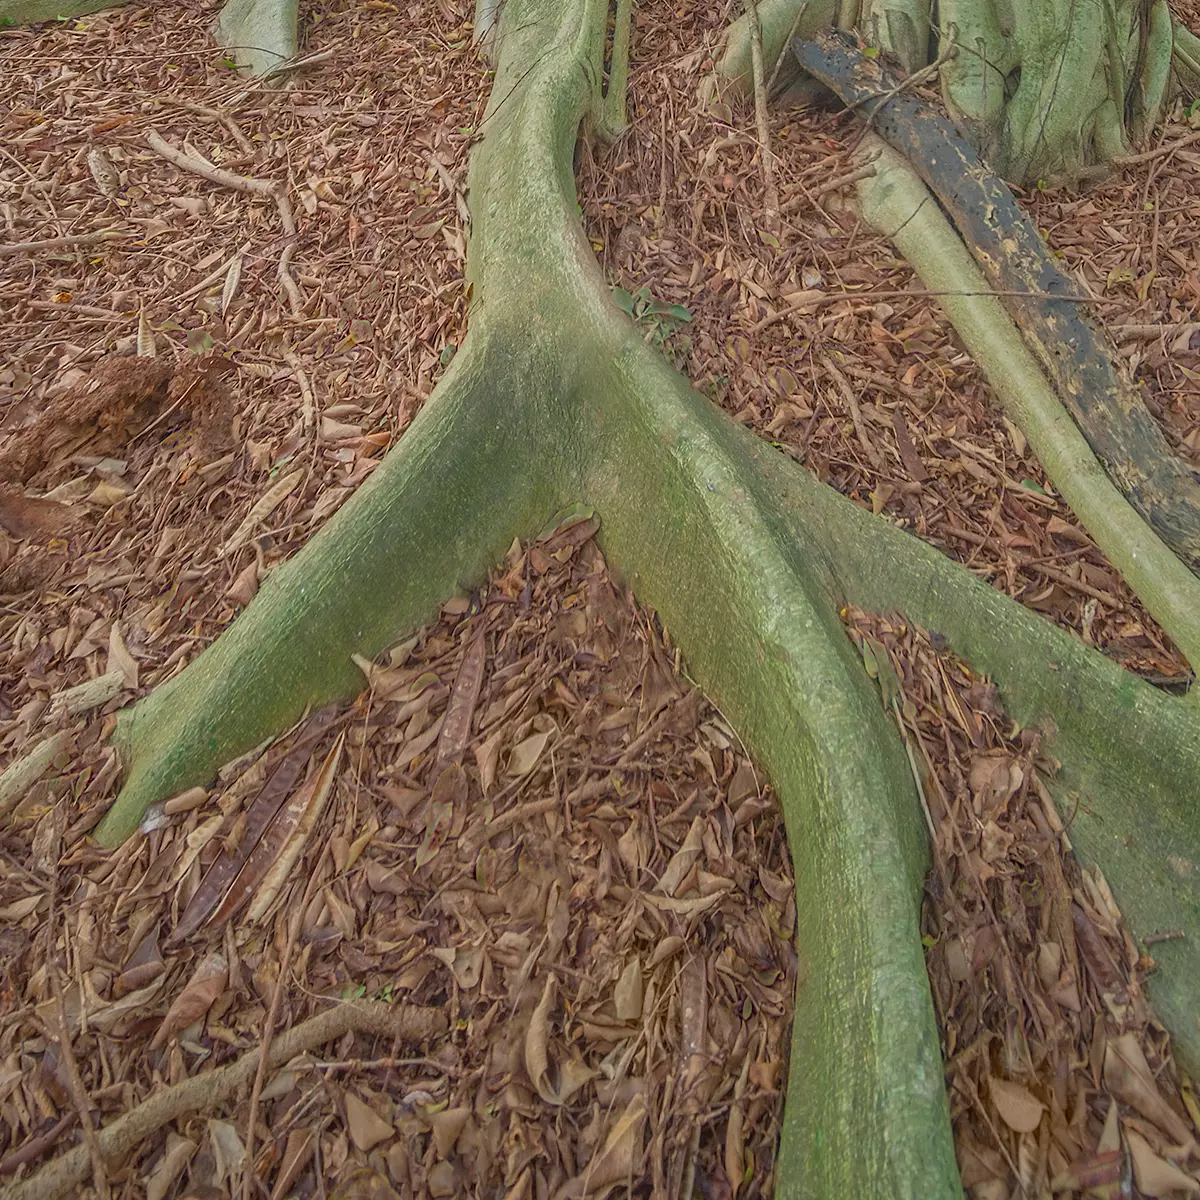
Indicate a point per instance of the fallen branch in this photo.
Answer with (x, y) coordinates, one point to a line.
(761, 119)
(265, 188)
(820, 300)
(57, 243)
(124, 1135)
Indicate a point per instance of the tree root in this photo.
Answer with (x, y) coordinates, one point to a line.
(1016, 262)
(555, 398)
(896, 203)
(260, 34)
(1041, 91)
(443, 507)
(124, 1136)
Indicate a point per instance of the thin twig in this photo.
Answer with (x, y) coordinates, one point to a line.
(57, 243)
(761, 119)
(787, 45)
(79, 1096)
(268, 1033)
(211, 1088)
(265, 188)
(308, 404)
(919, 293)
(1133, 160)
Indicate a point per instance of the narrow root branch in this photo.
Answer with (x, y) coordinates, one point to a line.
(406, 1024)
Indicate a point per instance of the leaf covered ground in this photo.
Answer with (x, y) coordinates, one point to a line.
(528, 821)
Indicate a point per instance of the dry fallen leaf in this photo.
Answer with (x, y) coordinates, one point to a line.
(170, 1166)
(1155, 1175)
(1017, 1106)
(365, 1126)
(206, 984)
(1129, 1078)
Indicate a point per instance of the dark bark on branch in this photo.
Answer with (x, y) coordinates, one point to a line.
(1043, 302)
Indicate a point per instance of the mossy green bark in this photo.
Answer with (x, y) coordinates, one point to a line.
(554, 399)
(1043, 89)
(260, 35)
(30, 12)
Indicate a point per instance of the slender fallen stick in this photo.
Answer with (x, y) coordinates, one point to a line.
(761, 119)
(265, 188)
(67, 1172)
(819, 301)
(268, 1033)
(57, 243)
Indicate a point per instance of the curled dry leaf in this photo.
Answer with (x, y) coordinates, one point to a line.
(460, 708)
(1155, 1175)
(616, 1160)
(446, 1127)
(1129, 1078)
(290, 831)
(465, 963)
(32, 516)
(735, 1146)
(571, 1076)
(449, 793)
(627, 996)
(525, 755)
(232, 877)
(228, 1152)
(206, 984)
(682, 860)
(365, 1126)
(167, 1170)
(262, 509)
(297, 1154)
(1018, 1107)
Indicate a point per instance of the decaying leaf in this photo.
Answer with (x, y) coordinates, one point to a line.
(449, 793)
(617, 1159)
(297, 1154)
(262, 509)
(682, 860)
(34, 516)
(1129, 1078)
(222, 884)
(1155, 1175)
(1019, 1108)
(464, 694)
(170, 1166)
(228, 1152)
(627, 996)
(366, 1127)
(525, 755)
(284, 842)
(446, 1127)
(555, 1086)
(206, 984)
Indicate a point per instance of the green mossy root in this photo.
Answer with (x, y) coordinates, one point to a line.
(1040, 88)
(467, 477)
(555, 398)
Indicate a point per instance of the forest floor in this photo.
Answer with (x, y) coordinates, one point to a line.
(529, 819)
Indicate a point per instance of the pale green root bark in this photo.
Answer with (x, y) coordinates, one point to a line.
(259, 34)
(435, 515)
(1039, 87)
(554, 398)
(29, 12)
(1130, 754)
(897, 204)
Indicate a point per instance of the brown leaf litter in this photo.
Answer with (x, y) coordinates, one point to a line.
(557, 843)
(534, 824)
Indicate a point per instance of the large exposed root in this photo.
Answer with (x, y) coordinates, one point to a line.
(1042, 91)
(553, 398)
(897, 204)
(1029, 283)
